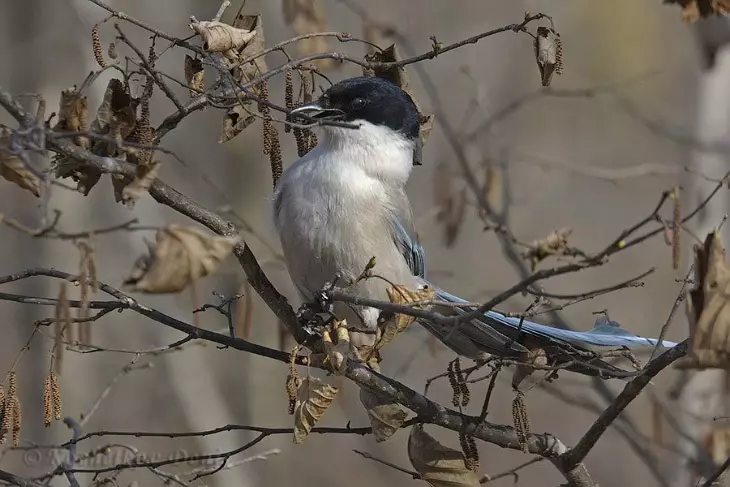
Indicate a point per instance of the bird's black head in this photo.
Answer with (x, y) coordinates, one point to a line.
(367, 98)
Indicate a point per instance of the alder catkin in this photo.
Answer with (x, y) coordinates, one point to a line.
(96, 45)
(47, 402)
(288, 98)
(17, 420)
(56, 395)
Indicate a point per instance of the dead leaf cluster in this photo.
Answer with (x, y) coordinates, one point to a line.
(693, 10)
(314, 397)
(708, 308)
(118, 121)
(180, 255)
(555, 243)
(243, 70)
(548, 53)
(12, 166)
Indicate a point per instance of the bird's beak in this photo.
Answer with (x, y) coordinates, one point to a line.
(318, 110)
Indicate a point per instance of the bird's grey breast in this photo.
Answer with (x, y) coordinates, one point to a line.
(332, 218)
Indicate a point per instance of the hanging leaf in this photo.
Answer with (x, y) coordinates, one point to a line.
(306, 17)
(386, 416)
(220, 37)
(708, 309)
(194, 75)
(73, 115)
(437, 464)
(13, 168)
(546, 53)
(180, 255)
(314, 397)
(145, 175)
(402, 295)
(249, 70)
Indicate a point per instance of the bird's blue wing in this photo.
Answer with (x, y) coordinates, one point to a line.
(411, 249)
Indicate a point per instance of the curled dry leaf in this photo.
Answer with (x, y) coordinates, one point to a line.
(399, 76)
(13, 168)
(220, 37)
(73, 115)
(117, 114)
(708, 309)
(248, 70)
(437, 464)
(313, 399)
(546, 53)
(402, 295)
(386, 416)
(144, 176)
(553, 244)
(181, 255)
(194, 75)
(306, 17)
(235, 122)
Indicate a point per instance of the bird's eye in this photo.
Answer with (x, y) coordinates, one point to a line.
(357, 103)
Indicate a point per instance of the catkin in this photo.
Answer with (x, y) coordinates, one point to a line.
(521, 420)
(558, 55)
(471, 453)
(288, 98)
(56, 395)
(453, 381)
(291, 380)
(17, 420)
(96, 45)
(461, 380)
(47, 402)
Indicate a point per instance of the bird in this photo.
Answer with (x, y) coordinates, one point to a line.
(344, 202)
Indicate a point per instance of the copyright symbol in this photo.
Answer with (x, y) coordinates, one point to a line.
(32, 458)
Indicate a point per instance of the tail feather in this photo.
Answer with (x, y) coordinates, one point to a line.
(501, 330)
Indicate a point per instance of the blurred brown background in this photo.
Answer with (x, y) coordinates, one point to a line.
(569, 163)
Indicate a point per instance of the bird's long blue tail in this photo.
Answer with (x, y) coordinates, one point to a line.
(496, 330)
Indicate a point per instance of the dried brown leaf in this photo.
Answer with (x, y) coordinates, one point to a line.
(402, 295)
(12, 167)
(437, 464)
(235, 122)
(144, 176)
(221, 37)
(546, 47)
(314, 397)
(708, 308)
(116, 115)
(73, 115)
(194, 75)
(249, 70)
(554, 243)
(306, 17)
(180, 255)
(386, 416)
